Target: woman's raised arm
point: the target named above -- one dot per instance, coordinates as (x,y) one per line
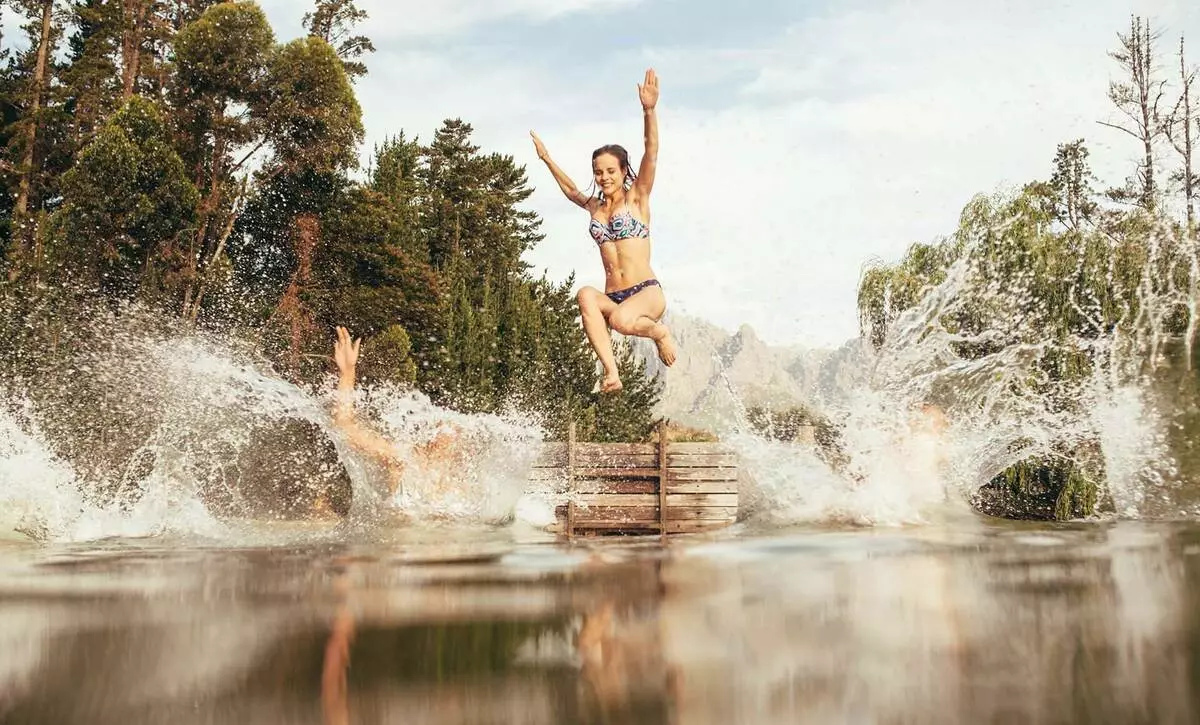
(568,187)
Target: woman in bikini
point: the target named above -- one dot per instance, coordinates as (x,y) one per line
(632,302)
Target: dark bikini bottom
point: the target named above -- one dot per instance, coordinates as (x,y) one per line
(621,295)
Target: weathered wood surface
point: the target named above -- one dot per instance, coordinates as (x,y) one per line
(639,487)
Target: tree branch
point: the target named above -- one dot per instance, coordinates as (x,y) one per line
(1120,128)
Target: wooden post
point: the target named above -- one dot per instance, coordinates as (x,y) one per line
(662,477)
(571,480)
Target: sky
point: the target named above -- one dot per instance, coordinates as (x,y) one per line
(799,140)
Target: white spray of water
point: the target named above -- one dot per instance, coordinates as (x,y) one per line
(897,460)
(207,408)
(460,466)
(42,497)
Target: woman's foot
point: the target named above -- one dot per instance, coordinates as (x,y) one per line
(666,349)
(611,383)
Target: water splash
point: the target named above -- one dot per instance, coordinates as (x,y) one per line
(461,466)
(936,412)
(187,434)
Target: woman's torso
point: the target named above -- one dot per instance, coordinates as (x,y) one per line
(623,228)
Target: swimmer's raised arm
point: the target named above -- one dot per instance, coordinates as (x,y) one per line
(569,189)
(345,354)
(648,94)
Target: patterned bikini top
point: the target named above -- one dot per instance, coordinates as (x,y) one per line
(620,226)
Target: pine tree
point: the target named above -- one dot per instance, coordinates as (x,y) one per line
(629,415)
(333,21)
(43,31)
(90,76)
(124,202)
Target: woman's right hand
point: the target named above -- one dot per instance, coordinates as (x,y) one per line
(345,352)
(539,147)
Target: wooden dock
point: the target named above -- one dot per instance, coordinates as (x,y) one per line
(639,488)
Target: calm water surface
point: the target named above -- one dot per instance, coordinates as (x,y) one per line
(965,620)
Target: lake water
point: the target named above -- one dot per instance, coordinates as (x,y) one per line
(962,619)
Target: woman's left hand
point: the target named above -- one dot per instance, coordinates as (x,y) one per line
(648,90)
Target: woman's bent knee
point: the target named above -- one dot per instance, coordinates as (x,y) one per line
(586,297)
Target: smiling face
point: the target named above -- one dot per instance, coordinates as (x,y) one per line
(609,173)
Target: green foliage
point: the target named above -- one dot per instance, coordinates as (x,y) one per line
(127,197)
(222,57)
(91,79)
(1050,487)
(333,21)
(219,193)
(389,358)
(314,121)
(791,424)
(627,416)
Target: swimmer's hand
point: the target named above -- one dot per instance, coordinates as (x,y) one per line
(345,352)
(648,90)
(539,146)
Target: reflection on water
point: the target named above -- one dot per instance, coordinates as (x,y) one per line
(961,622)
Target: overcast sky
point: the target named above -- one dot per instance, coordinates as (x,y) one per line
(798,139)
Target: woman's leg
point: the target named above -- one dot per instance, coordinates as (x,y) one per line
(640,314)
(595,307)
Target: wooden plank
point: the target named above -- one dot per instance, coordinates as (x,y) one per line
(694,527)
(619,499)
(701,513)
(619,526)
(600,528)
(618,486)
(662,474)
(552,455)
(698,460)
(702,499)
(616,473)
(702,487)
(652,499)
(674,475)
(621,450)
(593,460)
(571,478)
(645,514)
(699,448)
(702,474)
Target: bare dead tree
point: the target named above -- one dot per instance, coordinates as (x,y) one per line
(1178,127)
(1137,97)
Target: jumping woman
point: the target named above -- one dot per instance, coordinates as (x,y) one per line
(632,302)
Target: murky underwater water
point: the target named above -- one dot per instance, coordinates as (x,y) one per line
(963,620)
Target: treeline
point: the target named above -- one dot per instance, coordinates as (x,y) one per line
(1060,264)
(174,155)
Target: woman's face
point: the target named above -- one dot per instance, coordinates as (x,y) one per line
(609,175)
